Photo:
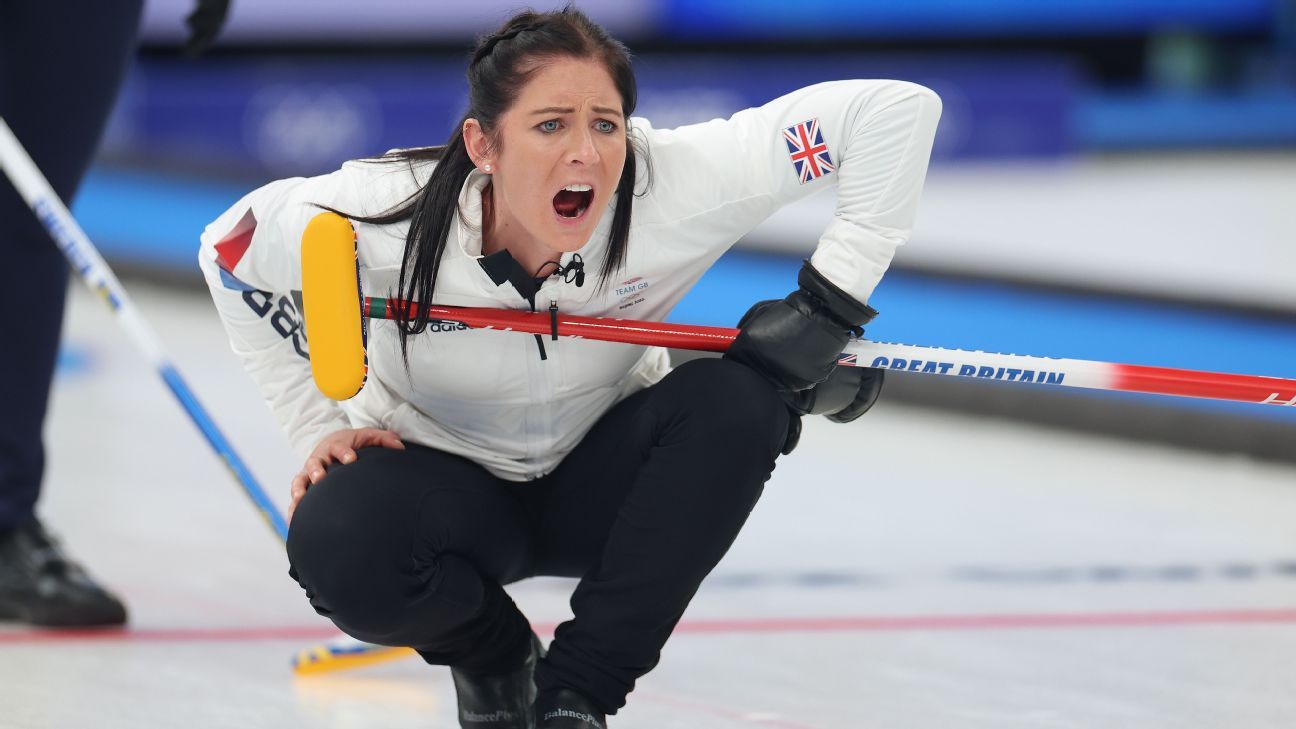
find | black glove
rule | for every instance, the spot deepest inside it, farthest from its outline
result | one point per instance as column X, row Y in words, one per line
column 848, row 393
column 204, row 25
column 795, row 342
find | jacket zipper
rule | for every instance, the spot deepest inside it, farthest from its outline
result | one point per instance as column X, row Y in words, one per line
column 541, row 417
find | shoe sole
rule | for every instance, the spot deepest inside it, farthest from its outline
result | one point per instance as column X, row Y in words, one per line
column 12, row 611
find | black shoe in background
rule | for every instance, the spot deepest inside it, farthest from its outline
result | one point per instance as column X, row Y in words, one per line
column 39, row 585
column 564, row 709
column 501, row 701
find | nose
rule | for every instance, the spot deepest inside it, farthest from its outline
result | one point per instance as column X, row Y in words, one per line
column 583, row 150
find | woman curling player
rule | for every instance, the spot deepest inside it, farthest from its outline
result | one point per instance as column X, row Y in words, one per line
column 476, row 458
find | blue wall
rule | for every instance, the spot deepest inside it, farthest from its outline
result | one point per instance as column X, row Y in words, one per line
column 772, row 19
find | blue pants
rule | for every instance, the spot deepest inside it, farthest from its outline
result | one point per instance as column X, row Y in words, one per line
column 411, row 547
column 61, row 64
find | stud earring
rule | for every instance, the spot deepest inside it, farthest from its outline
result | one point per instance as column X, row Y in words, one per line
column 486, row 168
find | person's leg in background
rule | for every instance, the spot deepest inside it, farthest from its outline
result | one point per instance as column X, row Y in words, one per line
column 61, row 66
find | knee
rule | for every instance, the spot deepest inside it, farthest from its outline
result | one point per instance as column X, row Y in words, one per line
column 351, row 564
column 731, row 398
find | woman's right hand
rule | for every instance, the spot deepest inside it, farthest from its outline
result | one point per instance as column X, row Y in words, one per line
column 337, row 447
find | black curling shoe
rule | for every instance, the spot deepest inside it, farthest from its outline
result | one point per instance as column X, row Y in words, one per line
column 563, row 709
column 39, row 585
column 501, row 701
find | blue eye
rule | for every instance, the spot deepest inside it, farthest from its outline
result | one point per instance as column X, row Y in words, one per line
column 549, row 126
column 605, row 126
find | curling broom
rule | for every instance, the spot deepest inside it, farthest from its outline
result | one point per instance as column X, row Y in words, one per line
column 337, row 313
column 86, row 261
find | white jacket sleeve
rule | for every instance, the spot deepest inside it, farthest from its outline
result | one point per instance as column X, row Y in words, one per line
column 872, row 139
column 251, row 259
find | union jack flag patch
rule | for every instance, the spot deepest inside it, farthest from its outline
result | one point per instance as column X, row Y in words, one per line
column 808, row 151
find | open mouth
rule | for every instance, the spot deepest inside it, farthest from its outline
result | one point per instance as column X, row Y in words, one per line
column 573, row 200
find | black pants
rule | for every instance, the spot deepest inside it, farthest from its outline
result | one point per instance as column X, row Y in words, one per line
column 411, row 547
column 61, row 64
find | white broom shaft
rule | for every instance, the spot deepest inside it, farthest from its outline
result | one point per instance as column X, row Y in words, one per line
column 63, row 228
column 85, row 259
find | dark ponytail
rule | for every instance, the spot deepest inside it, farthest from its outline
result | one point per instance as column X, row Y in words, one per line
column 499, row 68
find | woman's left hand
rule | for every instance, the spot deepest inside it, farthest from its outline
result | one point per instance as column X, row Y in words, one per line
column 337, row 447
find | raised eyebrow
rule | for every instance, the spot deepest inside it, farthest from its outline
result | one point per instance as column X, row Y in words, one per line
column 572, row 110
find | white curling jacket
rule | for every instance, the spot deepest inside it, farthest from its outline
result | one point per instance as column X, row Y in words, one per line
column 487, row 395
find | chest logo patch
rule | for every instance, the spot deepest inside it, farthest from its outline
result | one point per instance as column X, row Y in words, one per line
column 630, row 292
